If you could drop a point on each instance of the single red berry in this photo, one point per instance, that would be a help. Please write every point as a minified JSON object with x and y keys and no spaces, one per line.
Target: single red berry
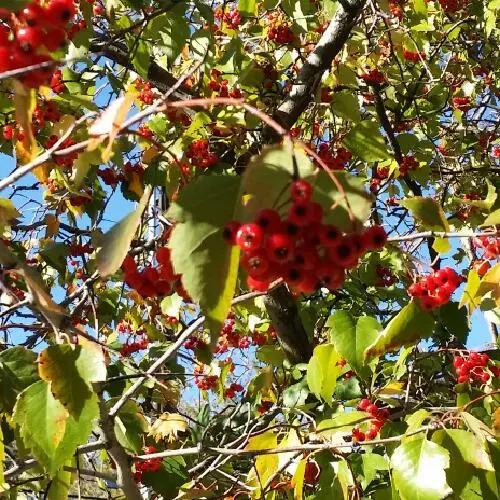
{"x":60,"y":12}
{"x":372,"y":409}
{"x":309,"y":282}
{"x":364,"y":404}
{"x":32,"y":14}
{"x":463,"y":379}
{"x":330,"y":235}
{"x":29,"y":38}
{"x":481,"y":267}
{"x":300,"y":214}
{"x":256,"y":264}
{"x":458,"y":361}
{"x":301,"y":191}
{"x":260,"y":285}
{"x":374,"y":238}
{"x":279,"y":247}
{"x":249,"y":237}
{"x":229,"y":232}
{"x":371,"y":434}
{"x":345,"y":253}
{"x":269,"y":220}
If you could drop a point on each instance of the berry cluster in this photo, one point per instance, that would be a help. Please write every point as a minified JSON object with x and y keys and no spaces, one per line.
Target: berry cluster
{"x":8,"y":132}
{"x":452,"y":6}
{"x":326,"y":95}
{"x":67,"y":159}
{"x":407,"y":164}
{"x":46,"y":112}
{"x":77,"y":250}
{"x":56,"y":82}
{"x":204,"y":382}
{"x":231,"y":19}
{"x":152,"y":282}
{"x":490,"y":245}
{"x":29,"y":33}
{"x":302,"y":250}
{"x":146,"y":93}
{"x":178,"y":116}
{"x":462,"y":103}
{"x":395,"y":9}
{"x":385,"y":276}
{"x":221,"y":86}
{"x":278,"y":30}
{"x":135,"y":346}
{"x":414,"y":56}
{"x":109,"y":176}
{"x":435,"y":290}
{"x":200,"y":155}
{"x":151,"y":465}
{"x":144,"y":131}
{"x":336,"y":160}
{"x":473,"y":368}
{"x":373,"y":77}
{"x":230,"y":392}
{"x":380,"y":416}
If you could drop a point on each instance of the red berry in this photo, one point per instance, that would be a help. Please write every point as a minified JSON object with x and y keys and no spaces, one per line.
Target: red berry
{"x":260,"y":285}
{"x":372,"y":409}
{"x":60,"y":12}
{"x":458,"y":361}
{"x":249,"y":237}
{"x":345,"y":253}
{"x":269,"y":220}
{"x":229,"y":232}
{"x":301,"y":191}
{"x":279,"y":247}
{"x":29,"y":38}
{"x":256,"y":264}
{"x":300,"y":214}
{"x":8,"y":132}
{"x":364,"y":404}
{"x":374,"y":238}
{"x":481,"y":267}
{"x":330,"y":235}
{"x":32,"y":14}
{"x":371,"y":434}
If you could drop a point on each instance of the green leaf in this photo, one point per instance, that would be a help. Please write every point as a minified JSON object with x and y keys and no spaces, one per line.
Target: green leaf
{"x":465,"y":444}
{"x":327,"y":194}
{"x":418,"y":469}
{"x":345,"y":104}
{"x":171,"y":305}
{"x":469,"y":296}
{"x":409,"y":326}
{"x":371,"y":464}
{"x":142,"y":57}
{"x":13,"y":5}
{"x":351,"y":341}
{"x":247,"y":7}
{"x":208,"y":265}
{"x":271,"y":354}
{"x":454,"y":321}
{"x":170,"y":31}
{"x":46,"y":427}
{"x":55,"y":255}
{"x":167,"y":481}
{"x":18,"y":371}
{"x":366,"y":141}
{"x":71,"y":370}
{"x":488,"y":202}
{"x":60,"y":485}
{"x":115,"y":243}
{"x":295,"y":395}
{"x":323,"y":371}
{"x":427,"y":213}
{"x":492,"y":219}
{"x":130,"y":426}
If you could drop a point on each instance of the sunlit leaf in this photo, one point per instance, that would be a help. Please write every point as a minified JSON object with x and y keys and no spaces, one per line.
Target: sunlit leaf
{"x":168,"y":426}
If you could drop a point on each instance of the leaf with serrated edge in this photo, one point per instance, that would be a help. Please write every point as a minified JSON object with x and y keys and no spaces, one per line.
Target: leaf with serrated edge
{"x":427,"y":212}
{"x":409,"y":326}
{"x":71,"y":370}
{"x":418,"y":469}
{"x":116,"y":243}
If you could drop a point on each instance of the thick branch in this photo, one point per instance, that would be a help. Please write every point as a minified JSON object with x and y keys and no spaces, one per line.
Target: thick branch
{"x":289,"y":328}
{"x":318,"y":61}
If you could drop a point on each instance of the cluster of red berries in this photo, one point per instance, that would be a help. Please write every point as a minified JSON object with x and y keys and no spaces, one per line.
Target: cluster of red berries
{"x":200,"y":155}
{"x":302,"y":250}
{"x":380,"y":416}
{"x":221,"y":86}
{"x":473,"y":368}
{"x":179,"y":116}
{"x":495,"y":151}
{"x":326,"y":95}
{"x":380,"y":174}
{"x":407,"y":164}
{"x":134,"y":169}
{"x":336,"y":160}
{"x":109,"y":176}
{"x":77,"y":250}
{"x":435,"y":290}
{"x":231,"y":19}
{"x":151,"y":281}
{"x":278,"y":30}
{"x":144,"y":131}
{"x":135,"y":346}
{"x":27,"y":33}
{"x":414,"y":56}
{"x":452,"y":6}
{"x":462,"y":103}
{"x":8,"y":132}
{"x":385,"y":277}
{"x":146,"y":93}
{"x":204,"y":382}
{"x":396,"y":9}
{"x":46,"y":112}
{"x":490,"y":245}
{"x":230,"y":392}
{"x":56,"y":82}
{"x":373,"y":77}
{"x":151,"y":465}
{"x":67,"y":159}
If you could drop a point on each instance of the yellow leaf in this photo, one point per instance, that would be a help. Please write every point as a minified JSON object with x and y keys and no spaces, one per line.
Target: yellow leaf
{"x":52,"y":223}
{"x":149,"y":155}
{"x":168,"y":426}
{"x":490,"y":284}
{"x":110,"y":122}
{"x":391,"y":390}
{"x":171,"y":392}
{"x":298,"y":480}
{"x":265,"y":465}
{"x":27,"y":149}
{"x":496,"y":421}
{"x":8,"y":211}
{"x":63,"y":125}
{"x":135,"y":184}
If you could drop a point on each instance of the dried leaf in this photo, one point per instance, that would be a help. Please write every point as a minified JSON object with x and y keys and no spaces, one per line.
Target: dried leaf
{"x":168,"y":426}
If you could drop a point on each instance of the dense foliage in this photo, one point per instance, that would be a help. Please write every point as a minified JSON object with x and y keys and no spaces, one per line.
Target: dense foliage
{"x":250,"y":249}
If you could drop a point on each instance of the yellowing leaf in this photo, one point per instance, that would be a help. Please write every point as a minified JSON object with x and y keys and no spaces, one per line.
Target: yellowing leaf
{"x":116,"y":242}
{"x":8,"y":211}
{"x":110,"y":122}
{"x":298,"y":480}
{"x":52,"y":224}
{"x":496,"y":421}
{"x":149,"y":155}
{"x":63,"y":125}
{"x":27,"y":149}
{"x":135,"y":184}
{"x":266,"y":465}
{"x":490,"y":284}
{"x":427,"y":212}
{"x":470,"y":291}
{"x":168,"y":426}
